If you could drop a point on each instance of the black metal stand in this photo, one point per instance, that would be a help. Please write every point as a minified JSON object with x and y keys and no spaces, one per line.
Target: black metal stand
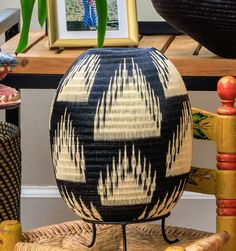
{"x":93,"y":237}
{"x":163,"y":230}
{"x":124,"y":224}
{"x":124,"y":237}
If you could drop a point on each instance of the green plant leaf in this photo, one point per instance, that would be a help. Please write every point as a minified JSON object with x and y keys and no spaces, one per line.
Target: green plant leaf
{"x":27,"y":10}
{"x":198,"y":117}
{"x":102,"y":12}
{"x":42,"y":11}
{"x":198,"y":134}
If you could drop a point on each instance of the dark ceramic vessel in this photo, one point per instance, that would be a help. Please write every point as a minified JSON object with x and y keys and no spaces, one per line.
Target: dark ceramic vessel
{"x":210,"y":22}
{"x":121,"y":133}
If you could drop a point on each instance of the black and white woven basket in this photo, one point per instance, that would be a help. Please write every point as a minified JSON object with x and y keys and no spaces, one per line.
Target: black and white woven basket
{"x":121,"y":135}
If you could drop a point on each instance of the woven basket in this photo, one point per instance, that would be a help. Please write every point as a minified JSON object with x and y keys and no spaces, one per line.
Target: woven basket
{"x":10,"y":172}
{"x":71,"y":236}
{"x":121,"y":135}
{"x":211,"y":22}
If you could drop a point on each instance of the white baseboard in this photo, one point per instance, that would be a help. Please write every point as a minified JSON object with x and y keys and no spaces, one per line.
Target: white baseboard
{"x":40,"y":192}
{"x":51,"y":192}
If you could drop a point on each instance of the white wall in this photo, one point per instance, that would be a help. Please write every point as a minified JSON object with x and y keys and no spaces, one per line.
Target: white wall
{"x":16,"y":4}
{"x":41,"y":204}
{"x":146,"y":11}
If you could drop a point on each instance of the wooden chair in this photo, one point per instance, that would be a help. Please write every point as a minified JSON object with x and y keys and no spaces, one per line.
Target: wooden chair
{"x":221,"y":128}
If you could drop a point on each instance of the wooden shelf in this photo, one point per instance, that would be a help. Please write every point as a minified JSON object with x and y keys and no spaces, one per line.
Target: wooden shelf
{"x":190,"y":58}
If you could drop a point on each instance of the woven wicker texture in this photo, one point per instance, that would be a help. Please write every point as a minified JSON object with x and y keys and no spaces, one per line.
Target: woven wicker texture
{"x":10,"y":171}
{"x":210,"y":22}
{"x":72,"y":235}
{"x":121,"y":133}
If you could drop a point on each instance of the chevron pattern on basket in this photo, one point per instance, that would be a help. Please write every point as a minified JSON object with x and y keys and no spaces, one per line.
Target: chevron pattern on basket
{"x":170,"y":78}
{"x":78,"y":83}
{"x":180,"y":147}
{"x":68,"y":154}
{"x":127,"y":172}
{"x":129,"y":109}
{"x":89,"y":213}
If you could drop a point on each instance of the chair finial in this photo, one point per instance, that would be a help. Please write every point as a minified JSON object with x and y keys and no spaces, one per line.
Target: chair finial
{"x":226,"y":89}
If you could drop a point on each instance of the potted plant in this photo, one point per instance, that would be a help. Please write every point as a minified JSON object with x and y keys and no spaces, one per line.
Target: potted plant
{"x":27,"y":7}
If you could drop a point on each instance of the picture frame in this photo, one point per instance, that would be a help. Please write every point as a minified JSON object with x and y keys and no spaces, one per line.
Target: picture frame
{"x":66,"y":28}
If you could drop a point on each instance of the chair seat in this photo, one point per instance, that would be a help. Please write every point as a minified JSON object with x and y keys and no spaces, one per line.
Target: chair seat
{"x":71,"y":236}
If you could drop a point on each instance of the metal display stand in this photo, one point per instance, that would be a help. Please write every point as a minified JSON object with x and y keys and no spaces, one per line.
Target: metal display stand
{"x":123,"y":226}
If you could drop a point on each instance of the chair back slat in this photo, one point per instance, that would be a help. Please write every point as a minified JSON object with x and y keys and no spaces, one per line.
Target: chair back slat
{"x":202,"y":180}
{"x":204,"y":124}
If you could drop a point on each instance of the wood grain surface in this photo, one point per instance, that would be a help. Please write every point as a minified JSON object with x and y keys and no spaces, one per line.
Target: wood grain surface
{"x":190,"y":58}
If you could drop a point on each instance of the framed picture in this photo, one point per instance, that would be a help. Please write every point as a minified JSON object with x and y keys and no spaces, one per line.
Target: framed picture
{"x":73,"y":23}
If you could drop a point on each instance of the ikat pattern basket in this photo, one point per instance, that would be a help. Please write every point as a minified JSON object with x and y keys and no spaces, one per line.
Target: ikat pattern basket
{"x":121,"y":135}
{"x":10,"y":172}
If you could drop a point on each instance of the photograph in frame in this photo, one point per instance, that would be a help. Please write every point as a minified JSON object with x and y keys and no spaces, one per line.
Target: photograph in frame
{"x":73,"y":23}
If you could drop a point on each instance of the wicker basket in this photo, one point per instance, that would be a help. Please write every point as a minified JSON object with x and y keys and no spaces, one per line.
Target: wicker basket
{"x":210,"y":22}
{"x":71,"y":236}
{"x":10,"y":172}
{"x":121,"y":135}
